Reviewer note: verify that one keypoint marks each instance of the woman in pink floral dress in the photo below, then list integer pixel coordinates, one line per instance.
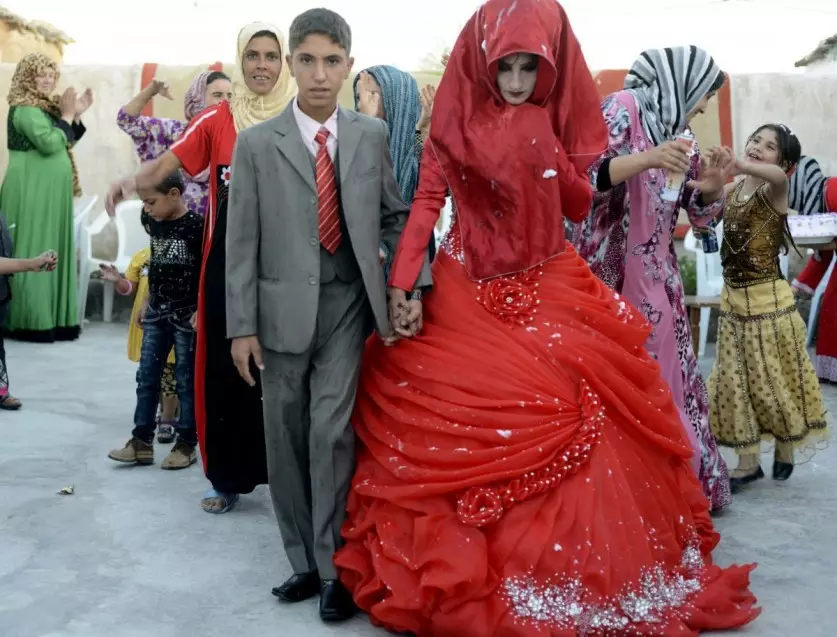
(153, 136)
(628, 237)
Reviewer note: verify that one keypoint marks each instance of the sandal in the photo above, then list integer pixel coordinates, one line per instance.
(165, 431)
(10, 403)
(228, 499)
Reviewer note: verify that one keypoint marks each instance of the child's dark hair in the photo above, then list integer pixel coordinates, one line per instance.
(217, 75)
(175, 180)
(790, 152)
(146, 221)
(320, 22)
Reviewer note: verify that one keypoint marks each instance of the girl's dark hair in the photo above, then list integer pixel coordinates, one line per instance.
(215, 76)
(718, 83)
(175, 180)
(790, 152)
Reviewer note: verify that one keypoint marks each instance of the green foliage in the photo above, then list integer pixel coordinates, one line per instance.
(688, 272)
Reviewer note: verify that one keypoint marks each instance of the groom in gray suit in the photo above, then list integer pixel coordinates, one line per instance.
(312, 197)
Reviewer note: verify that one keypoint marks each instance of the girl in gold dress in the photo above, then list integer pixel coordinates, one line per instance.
(763, 385)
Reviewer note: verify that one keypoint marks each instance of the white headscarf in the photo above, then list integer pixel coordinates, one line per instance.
(247, 107)
(668, 84)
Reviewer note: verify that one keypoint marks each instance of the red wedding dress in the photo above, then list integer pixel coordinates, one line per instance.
(522, 470)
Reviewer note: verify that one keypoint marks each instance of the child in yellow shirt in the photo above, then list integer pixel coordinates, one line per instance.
(136, 276)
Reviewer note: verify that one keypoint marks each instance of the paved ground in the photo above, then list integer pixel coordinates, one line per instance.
(131, 554)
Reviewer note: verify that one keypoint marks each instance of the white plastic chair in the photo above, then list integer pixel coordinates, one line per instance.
(81, 211)
(131, 238)
(814, 313)
(710, 279)
(86, 261)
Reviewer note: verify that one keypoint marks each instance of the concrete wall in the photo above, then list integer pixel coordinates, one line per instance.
(807, 103)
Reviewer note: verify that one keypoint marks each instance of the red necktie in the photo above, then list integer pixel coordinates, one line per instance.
(329, 216)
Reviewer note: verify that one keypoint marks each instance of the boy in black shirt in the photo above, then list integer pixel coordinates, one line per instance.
(173, 275)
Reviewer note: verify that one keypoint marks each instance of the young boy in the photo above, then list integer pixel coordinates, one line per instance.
(173, 274)
(135, 279)
(312, 198)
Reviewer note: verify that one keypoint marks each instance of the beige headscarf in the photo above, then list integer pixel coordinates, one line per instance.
(23, 92)
(247, 107)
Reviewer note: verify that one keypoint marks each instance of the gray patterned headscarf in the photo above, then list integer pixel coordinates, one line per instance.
(668, 84)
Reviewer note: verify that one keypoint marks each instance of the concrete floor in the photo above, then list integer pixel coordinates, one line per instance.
(131, 554)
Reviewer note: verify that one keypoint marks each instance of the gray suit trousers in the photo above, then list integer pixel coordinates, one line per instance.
(308, 400)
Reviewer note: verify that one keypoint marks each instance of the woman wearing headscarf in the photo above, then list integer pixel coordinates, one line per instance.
(228, 411)
(812, 193)
(152, 136)
(392, 95)
(628, 238)
(521, 466)
(37, 197)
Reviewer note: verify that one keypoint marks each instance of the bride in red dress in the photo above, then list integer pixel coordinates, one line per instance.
(521, 466)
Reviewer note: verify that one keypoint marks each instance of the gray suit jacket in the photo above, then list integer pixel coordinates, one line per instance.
(273, 249)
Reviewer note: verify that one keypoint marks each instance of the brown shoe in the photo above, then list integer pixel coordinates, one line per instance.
(182, 456)
(134, 452)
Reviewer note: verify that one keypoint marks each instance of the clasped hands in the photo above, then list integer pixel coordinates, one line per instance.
(405, 316)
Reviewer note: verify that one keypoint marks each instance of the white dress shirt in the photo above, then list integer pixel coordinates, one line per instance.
(309, 128)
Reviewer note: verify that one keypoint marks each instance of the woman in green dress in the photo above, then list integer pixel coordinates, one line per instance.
(37, 198)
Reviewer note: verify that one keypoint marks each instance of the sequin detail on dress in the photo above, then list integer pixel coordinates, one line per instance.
(565, 604)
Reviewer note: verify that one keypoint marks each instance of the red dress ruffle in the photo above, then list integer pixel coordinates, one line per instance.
(522, 471)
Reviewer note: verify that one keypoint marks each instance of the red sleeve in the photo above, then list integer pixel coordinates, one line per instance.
(424, 213)
(194, 148)
(831, 194)
(811, 275)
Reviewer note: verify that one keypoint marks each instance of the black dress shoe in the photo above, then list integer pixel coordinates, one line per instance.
(736, 484)
(336, 603)
(298, 588)
(782, 470)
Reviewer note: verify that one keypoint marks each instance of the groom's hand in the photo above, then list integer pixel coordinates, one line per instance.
(405, 316)
(244, 348)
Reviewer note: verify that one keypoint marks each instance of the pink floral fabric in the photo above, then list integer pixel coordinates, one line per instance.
(152, 136)
(628, 242)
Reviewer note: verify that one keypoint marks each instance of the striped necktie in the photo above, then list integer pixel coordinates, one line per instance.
(327, 203)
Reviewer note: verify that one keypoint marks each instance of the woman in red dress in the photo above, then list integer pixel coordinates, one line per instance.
(522, 469)
(228, 412)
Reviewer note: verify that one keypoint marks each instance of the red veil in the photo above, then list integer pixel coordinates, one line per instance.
(515, 171)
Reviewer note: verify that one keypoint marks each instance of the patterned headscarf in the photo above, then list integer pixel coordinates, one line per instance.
(668, 84)
(247, 107)
(195, 100)
(193, 104)
(24, 92)
(402, 110)
(807, 187)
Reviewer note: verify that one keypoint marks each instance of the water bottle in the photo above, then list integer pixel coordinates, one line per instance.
(674, 181)
(709, 239)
